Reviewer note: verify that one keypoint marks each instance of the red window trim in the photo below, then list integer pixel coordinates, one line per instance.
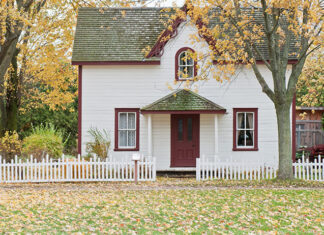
(177, 63)
(136, 110)
(255, 111)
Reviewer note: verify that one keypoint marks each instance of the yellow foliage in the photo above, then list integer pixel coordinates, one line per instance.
(10, 145)
(230, 50)
(310, 86)
(46, 48)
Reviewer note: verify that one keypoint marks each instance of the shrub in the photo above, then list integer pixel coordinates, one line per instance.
(45, 139)
(100, 144)
(10, 145)
(64, 120)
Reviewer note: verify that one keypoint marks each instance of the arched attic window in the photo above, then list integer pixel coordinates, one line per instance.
(185, 64)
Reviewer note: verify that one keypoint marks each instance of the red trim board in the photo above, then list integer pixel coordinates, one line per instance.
(183, 112)
(293, 129)
(115, 62)
(80, 111)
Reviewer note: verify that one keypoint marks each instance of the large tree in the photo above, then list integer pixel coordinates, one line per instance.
(35, 49)
(15, 20)
(236, 30)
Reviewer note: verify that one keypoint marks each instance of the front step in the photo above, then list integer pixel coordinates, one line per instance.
(177, 174)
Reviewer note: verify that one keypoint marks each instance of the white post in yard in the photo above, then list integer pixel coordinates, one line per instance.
(216, 135)
(149, 135)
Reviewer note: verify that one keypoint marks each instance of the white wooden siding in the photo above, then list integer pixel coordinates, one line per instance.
(133, 86)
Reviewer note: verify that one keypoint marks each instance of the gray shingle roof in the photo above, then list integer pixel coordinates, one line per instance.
(108, 35)
(183, 100)
(258, 18)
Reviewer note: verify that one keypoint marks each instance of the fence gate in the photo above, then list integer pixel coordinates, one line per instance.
(71, 170)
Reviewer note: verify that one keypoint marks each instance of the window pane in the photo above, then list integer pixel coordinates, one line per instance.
(122, 138)
(190, 72)
(240, 121)
(190, 61)
(131, 120)
(240, 138)
(180, 129)
(182, 71)
(182, 57)
(122, 121)
(189, 128)
(249, 120)
(249, 138)
(131, 138)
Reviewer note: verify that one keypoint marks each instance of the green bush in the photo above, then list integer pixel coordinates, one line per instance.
(45, 139)
(100, 144)
(65, 120)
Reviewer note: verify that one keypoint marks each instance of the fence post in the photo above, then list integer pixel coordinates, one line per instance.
(136, 171)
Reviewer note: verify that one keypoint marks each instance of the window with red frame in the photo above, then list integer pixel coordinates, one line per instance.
(126, 129)
(185, 64)
(245, 131)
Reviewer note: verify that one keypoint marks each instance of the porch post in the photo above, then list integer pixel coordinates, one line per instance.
(149, 135)
(216, 134)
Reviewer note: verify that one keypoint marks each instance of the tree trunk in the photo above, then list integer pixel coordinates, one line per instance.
(12, 116)
(284, 141)
(6, 56)
(13, 96)
(3, 115)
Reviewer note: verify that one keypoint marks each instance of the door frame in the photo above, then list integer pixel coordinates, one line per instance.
(198, 142)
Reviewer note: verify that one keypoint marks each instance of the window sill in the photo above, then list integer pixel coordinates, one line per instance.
(184, 79)
(245, 149)
(121, 149)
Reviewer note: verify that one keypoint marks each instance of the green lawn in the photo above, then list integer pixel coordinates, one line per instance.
(101, 208)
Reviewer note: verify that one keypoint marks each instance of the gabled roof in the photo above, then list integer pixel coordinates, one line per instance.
(183, 100)
(116, 34)
(121, 34)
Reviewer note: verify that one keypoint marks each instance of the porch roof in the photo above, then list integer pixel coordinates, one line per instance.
(183, 101)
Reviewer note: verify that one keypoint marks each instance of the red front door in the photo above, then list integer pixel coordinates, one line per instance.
(184, 140)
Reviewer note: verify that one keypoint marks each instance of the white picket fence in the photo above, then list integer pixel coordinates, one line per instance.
(240, 170)
(71, 170)
(303, 169)
(233, 170)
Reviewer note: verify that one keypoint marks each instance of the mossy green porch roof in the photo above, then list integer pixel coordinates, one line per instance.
(183, 100)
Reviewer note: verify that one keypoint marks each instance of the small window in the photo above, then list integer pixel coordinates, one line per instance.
(245, 129)
(185, 64)
(126, 129)
(180, 129)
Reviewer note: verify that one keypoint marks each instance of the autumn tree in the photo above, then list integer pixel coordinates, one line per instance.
(15, 16)
(235, 29)
(35, 52)
(310, 86)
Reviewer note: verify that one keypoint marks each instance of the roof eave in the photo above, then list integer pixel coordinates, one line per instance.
(149, 62)
(223, 111)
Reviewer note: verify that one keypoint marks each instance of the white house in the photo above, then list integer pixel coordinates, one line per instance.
(124, 92)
